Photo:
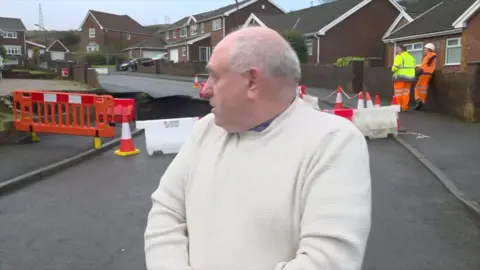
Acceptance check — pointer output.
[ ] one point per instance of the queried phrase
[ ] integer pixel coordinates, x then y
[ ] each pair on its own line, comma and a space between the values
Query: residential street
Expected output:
92, 216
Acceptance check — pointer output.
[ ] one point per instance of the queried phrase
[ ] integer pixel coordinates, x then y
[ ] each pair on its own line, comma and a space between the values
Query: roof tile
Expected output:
119, 22
438, 19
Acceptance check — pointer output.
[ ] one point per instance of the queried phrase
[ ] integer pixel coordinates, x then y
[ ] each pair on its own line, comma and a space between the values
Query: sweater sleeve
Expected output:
336, 206
166, 238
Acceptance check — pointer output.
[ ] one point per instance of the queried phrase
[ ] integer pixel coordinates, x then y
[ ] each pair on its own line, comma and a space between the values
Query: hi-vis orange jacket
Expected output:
428, 63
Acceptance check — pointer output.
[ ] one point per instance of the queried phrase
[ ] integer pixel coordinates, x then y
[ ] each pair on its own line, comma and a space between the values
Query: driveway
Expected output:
7, 86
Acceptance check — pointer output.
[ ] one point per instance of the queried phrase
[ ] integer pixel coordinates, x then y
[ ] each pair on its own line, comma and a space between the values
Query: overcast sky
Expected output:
69, 14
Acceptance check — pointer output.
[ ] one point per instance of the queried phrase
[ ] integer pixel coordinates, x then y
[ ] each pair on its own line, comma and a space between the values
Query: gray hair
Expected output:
276, 58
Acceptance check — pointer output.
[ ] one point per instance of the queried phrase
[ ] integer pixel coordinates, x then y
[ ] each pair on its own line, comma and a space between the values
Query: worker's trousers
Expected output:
402, 93
422, 86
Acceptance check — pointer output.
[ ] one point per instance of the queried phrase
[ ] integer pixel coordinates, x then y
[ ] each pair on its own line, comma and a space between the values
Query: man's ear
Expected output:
253, 77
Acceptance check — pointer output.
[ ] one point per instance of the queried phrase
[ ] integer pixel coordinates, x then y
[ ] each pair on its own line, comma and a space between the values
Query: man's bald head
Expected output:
263, 48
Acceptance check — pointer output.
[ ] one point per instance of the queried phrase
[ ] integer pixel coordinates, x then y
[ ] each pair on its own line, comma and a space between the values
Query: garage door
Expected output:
150, 54
174, 55
58, 55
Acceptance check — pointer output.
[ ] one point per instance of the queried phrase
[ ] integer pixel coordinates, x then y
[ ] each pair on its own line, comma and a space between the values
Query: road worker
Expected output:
424, 73
403, 76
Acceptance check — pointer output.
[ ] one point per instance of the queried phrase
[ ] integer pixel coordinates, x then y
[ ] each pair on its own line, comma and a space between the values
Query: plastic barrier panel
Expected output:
166, 135
62, 113
122, 106
377, 123
102, 71
311, 101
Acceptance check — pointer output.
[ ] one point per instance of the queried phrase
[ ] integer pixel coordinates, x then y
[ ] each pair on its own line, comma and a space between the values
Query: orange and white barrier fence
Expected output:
66, 113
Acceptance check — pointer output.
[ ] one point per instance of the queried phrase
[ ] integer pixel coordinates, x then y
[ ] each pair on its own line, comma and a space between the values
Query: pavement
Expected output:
19, 159
93, 215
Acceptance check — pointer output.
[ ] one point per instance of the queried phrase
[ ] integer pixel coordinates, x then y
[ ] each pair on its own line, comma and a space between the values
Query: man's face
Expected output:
230, 92
425, 51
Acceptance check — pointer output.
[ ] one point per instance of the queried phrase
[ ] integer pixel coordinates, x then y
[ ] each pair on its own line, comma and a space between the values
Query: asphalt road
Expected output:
92, 216
156, 88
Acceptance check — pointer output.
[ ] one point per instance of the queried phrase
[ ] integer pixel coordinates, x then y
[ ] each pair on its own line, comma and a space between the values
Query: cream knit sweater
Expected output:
295, 196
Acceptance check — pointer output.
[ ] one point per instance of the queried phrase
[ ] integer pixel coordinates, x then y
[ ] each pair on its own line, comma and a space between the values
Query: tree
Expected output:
3, 52
297, 41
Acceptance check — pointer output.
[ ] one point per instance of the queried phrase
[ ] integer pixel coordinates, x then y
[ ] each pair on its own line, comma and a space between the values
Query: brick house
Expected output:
147, 48
110, 32
193, 37
449, 25
12, 37
57, 50
338, 29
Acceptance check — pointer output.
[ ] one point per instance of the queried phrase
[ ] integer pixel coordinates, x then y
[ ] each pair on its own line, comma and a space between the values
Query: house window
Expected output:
13, 50
202, 28
92, 48
174, 34
183, 32
91, 32
193, 29
167, 35
10, 34
453, 51
416, 50
184, 51
309, 44
129, 36
204, 55
217, 24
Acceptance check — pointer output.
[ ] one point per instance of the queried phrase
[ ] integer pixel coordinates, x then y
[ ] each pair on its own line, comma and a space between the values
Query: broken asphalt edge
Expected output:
471, 205
23, 180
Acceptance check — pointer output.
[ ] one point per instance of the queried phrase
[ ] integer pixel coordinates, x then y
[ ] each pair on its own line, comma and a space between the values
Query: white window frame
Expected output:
217, 24
194, 29
202, 28
91, 32
309, 44
93, 48
13, 50
129, 36
208, 52
183, 32
167, 35
10, 34
415, 48
184, 51
449, 47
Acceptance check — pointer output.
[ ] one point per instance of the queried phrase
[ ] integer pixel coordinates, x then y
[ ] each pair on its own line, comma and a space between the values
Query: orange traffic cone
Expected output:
377, 101
338, 101
394, 102
369, 100
360, 103
195, 82
127, 147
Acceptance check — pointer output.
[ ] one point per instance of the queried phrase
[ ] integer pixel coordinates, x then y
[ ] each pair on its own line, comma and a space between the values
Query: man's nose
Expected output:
207, 89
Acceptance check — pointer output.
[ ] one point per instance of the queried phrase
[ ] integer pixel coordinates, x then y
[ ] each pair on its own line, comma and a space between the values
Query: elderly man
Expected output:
265, 181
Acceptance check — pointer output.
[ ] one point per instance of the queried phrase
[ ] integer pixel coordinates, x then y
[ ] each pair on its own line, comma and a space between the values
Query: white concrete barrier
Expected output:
166, 135
377, 123
311, 101
102, 71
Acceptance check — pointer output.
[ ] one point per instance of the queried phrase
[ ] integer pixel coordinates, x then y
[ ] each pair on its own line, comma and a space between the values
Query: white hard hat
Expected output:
430, 46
